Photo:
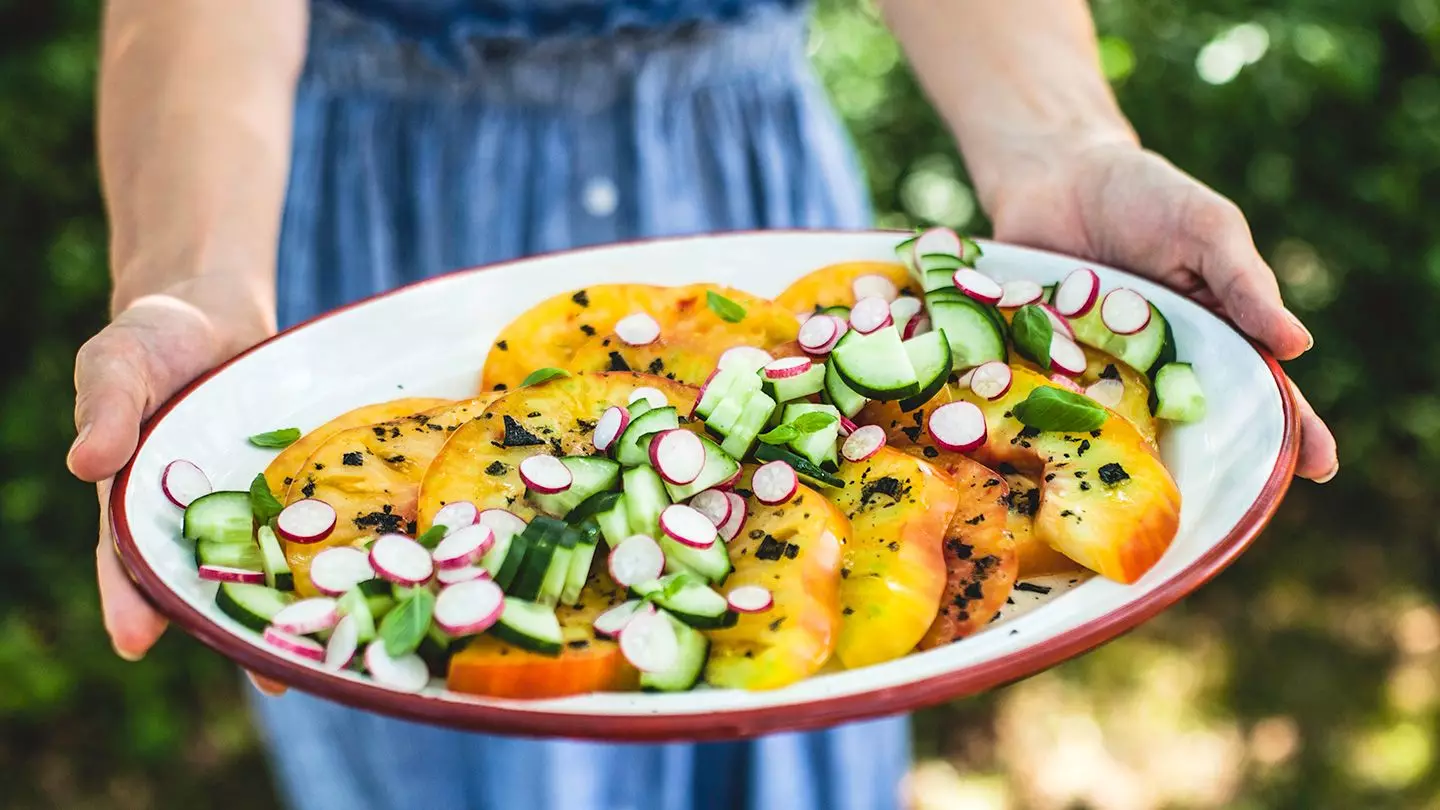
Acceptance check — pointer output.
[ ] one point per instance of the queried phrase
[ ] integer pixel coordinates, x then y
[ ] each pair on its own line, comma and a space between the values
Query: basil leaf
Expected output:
404, 627
541, 375
813, 422
728, 310
432, 536
1059, 410
1032, 331
780, 435
283, 437
677, 582
970, 251
262, 502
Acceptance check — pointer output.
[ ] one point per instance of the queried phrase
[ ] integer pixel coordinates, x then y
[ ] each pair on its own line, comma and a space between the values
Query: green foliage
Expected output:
1321, 118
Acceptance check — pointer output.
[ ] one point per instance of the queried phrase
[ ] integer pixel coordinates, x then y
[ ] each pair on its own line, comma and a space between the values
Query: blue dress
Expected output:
431, 135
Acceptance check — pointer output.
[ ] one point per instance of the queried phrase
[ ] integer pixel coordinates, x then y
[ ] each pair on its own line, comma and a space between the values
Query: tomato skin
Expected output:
289, 463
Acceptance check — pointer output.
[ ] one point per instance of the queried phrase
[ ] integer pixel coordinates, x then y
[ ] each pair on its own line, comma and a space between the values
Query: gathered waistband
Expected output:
349, 53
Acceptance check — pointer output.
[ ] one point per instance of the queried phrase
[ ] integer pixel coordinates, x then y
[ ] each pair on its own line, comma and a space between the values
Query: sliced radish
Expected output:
401, 560
470, 607
1077, 293
1125, 311
453, 576
183, 482
307, 648
863, 443
612, 621
225, 573
1106, 392
1058, 321
504, 522
847, 427
787, 367
713, 504
872, 285
652, 397
344, 641
774, 483
750, 599
456, 515
1020, 292
307, 616
610, 425
678, 455
936, 240
638, 329
1066, 356
958, 426
903, 309
545, 474
306, 521
965, 379
335, 571
463, 547
1063, 381
687, 526
977, 285
739, 511
991, 380
407, 673
817, 333
747, 358
870, 314
918, 325
637, 559
649, 642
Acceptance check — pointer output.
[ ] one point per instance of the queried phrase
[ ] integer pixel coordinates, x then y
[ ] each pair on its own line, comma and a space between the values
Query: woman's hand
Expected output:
1118, 204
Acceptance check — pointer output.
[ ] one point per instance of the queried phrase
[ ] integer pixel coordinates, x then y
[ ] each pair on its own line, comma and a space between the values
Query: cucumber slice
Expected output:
272, 561
694, 648
556, 575
251, 605
903, 251
808, 472
725, 382
719, 467
220, 517
1146, 351
689, 600
638, 407
596, 504
614, 524
837, 311
506, 567
876, 366
797, 387
581, 558
354, 604
547, 537
529, 626
930, 355
244, 555
645, 498
753, 417
842, 396
1177, 395
974, 334
722, 420
591, 475
712, 563
819, 447
628, 450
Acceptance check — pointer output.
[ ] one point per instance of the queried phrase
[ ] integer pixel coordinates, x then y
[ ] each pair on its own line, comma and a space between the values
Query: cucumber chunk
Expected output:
976, 333
272, 561
614, 524
529, 626
581, 558
726, 382
244, 555
1177, 395
876, 365
628, 449
819, 447
930, 355
690, 600
251, 605
842, 396
1146, 351
753, 416
220, 517
797, 387
694, 647
645, 498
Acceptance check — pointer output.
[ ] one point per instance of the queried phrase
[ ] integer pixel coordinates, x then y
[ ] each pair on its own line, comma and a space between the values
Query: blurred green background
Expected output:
1306, 676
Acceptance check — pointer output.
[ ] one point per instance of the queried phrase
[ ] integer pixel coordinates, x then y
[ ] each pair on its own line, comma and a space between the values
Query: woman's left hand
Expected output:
1118, 204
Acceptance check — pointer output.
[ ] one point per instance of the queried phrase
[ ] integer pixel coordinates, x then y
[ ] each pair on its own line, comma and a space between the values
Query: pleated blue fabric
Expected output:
421, 147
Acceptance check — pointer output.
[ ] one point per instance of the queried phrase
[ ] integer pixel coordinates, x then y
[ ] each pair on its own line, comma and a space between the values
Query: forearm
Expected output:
195, 106
1013, 79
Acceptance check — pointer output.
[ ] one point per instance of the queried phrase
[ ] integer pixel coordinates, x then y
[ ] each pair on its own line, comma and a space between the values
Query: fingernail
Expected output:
129, 656
1326, 478
79, 439
1309, 338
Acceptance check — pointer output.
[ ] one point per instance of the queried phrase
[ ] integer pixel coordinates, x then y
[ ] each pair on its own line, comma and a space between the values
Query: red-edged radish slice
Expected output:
713, 504
545, 474
469, 607
463, 547
307, 648
918, 324
652, 397
1077, 293
977, 285
842, 325
307, 616
687, 526
306, 521
817, 333
1062, 381
787, 367
774, 483
730, 482
903, 309
504, 522
401, 560
678, 455
1020, 292
1066, 356
870, 314
739, 512
183, 482
965, 379
225, 573
613, 621
747, 358
991, 380
637, 559
936, 240
750, 599
958, 426
1061, 326
638, 330
454, 576
406, 673
456, 515
335, 571
649, 642
610, 425
344, 641
863, 443
873, 285
1106, 392
1125, 311
847, 427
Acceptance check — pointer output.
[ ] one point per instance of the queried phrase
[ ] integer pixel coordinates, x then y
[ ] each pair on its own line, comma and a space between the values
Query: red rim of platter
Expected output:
511, 717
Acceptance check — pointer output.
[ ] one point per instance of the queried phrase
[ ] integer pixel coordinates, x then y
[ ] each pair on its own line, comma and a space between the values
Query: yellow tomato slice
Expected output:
287, 463
832, 286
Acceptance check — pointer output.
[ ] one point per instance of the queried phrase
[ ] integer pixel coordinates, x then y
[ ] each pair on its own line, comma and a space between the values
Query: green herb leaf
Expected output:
404, 627
970, 251
780, 435
283, 437
262, 501
541, 375
725, 308
1032, 331
432, 536
675, 584
1059, 410
813, 422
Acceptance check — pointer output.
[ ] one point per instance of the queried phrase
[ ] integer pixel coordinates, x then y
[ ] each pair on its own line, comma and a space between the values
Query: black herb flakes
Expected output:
308, 490
657, 366
889, 485
1112, 474
587, 329
962, 551
931, 452
775, 625
497, 467
517, 436
501, 387
581, 298
770, 549
1110, 372
1084, 445
976, 521
502, 345
617, 362
848, 610
354, 459
791, 551
1084, 486
1029, 433
1030, 587
379, 431
382, 522
396, 459
912, 433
